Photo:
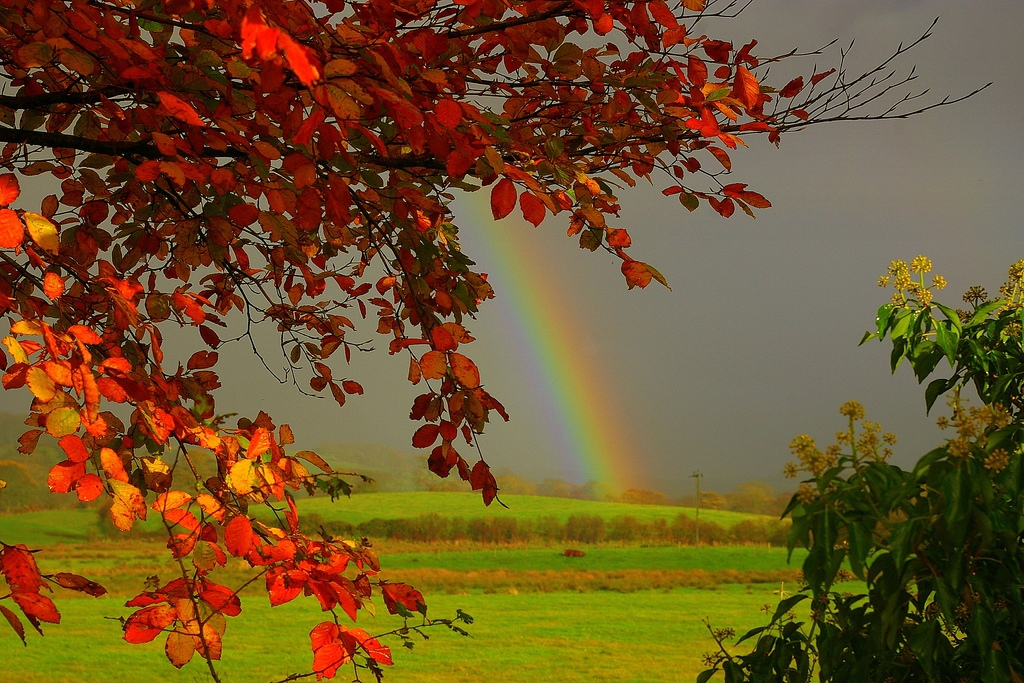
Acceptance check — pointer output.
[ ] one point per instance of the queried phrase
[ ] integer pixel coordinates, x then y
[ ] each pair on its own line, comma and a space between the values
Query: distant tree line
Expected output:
582, 528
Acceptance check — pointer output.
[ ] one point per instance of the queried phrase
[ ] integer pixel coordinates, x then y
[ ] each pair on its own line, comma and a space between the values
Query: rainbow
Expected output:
591, 434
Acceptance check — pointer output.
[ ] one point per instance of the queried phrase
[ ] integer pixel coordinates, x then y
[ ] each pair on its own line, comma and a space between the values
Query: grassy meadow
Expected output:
620, 613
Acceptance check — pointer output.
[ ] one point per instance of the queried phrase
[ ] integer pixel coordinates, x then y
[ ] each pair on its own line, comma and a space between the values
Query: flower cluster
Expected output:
867, 443
1012, 290
973, 426
900, 276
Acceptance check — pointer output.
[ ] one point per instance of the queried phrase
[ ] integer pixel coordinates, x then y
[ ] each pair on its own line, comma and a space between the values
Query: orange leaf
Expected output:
171, 500
74, 448
298, 58
503, 198
9, 188
180, 109
637, 274
53, 285
745, 87
89, 488
63, 475
113, 465
258, 444
12, 230
465, 371
433, 365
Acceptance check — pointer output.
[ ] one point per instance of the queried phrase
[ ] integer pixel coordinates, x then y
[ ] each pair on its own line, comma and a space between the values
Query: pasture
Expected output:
620, 613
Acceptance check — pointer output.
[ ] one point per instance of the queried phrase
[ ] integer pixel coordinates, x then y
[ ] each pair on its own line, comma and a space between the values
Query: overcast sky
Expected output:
757, 341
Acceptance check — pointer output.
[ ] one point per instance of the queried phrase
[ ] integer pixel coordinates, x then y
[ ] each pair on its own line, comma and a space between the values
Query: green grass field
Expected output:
624, 614
646, 637
366, 506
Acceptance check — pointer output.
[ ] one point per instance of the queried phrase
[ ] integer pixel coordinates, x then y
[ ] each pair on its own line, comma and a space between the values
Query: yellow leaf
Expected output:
63, 421
14, 348
179, 648
40, 384
43, 232
244, 477
128, 505
26, 327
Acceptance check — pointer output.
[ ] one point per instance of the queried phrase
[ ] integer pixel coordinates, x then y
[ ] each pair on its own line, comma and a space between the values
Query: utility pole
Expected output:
696, 477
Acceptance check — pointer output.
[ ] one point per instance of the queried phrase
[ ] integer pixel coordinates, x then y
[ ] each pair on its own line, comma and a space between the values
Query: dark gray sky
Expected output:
757, 341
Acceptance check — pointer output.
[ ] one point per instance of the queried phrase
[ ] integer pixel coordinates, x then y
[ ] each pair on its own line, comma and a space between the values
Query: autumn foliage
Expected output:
216, 165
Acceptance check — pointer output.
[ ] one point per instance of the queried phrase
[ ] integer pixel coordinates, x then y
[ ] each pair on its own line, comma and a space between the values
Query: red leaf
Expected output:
793, 88
817, 78
15, 622
149, 622
482, 480
503, 198
243, 214
449, 113
533, 208
78, 583
9, 188
19, 569
12, 230
396, 594
238, 536
38, 606
425, 436
351, 387
442, 340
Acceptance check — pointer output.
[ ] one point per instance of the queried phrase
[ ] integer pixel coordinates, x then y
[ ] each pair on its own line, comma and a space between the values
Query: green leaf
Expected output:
882, 318
904, 319
935, 389
948, 340
705, 676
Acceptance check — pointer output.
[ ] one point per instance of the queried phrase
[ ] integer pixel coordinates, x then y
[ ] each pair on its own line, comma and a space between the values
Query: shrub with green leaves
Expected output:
938, 550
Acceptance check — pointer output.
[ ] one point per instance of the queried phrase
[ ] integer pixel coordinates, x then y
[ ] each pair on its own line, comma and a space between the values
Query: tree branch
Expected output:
143, 148
45, 100
502, 25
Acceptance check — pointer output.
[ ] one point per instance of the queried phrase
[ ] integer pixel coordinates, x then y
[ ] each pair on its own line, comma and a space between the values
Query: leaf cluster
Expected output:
936, 550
